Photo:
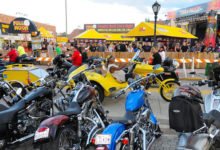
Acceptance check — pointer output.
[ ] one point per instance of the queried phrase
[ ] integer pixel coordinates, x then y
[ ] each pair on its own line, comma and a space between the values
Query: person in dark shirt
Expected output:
184, 48
146, 47
157, 60
92, 47
123, 47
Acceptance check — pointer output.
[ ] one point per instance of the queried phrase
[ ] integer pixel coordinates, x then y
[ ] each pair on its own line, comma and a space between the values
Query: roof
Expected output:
116, 37
90, 34
75, 33
44, 33
147, 30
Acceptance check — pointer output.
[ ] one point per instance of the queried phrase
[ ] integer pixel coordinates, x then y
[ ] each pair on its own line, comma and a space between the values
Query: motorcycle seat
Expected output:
7, 115
128, 119
73, 109
213, 117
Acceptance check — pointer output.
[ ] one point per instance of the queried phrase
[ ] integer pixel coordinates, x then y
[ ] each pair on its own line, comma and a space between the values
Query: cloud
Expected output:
91, 11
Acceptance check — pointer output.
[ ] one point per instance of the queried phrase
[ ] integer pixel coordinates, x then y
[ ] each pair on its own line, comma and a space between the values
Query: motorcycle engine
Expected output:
40, 109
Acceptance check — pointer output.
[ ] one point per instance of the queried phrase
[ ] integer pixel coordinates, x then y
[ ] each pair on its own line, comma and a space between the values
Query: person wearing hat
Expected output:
117, 71
12, 55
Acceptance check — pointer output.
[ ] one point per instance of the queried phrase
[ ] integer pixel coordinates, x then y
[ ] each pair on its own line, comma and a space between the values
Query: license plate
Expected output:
102, 139
41, 135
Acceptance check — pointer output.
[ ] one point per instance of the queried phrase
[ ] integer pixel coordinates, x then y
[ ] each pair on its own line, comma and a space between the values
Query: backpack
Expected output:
185, 115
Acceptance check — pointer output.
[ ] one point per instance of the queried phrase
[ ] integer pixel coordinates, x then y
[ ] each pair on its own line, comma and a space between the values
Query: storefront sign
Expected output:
121, 28
194, 10
22, 26
4, 28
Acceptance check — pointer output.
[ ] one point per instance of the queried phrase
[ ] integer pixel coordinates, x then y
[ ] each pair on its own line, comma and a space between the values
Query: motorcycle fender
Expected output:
53, 124
189, 141
163, 83
115, 130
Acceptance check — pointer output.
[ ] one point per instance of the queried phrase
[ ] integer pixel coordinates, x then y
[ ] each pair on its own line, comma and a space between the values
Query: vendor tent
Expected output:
90, 34
44, 33
116, 37
145, 29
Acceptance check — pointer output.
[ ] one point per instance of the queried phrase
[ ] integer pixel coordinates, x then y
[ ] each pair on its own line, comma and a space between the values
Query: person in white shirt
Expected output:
162, 53
117, 71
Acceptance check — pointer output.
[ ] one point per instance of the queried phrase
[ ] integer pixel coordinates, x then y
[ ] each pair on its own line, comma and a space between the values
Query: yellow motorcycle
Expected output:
106, 84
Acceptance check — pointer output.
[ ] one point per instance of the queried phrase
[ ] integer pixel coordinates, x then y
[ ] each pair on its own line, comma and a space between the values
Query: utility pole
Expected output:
66, 17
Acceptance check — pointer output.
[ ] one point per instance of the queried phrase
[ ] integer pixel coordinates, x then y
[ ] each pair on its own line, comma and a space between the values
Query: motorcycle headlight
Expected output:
175, 64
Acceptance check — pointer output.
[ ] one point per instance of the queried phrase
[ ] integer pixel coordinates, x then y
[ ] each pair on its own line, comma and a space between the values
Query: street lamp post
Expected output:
66, 16
156, 8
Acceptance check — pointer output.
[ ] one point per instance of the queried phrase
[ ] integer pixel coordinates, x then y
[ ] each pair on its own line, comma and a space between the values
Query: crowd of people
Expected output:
144, 46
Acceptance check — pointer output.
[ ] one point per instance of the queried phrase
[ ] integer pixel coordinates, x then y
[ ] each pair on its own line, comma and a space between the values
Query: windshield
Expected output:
136, 55
40, 73
77, 71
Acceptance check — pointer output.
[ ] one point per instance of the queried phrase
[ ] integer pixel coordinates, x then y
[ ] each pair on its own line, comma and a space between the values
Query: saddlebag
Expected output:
185, 115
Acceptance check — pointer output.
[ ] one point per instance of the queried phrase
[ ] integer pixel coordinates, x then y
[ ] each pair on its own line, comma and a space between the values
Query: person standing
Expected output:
50, 49
162, 53
58, 50
177, 47
184, 47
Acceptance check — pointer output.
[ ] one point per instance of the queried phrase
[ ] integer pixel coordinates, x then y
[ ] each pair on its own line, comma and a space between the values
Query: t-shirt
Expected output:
146, 48
156, 59
21, 51
58, 50
77, 58
119, 74
184, 48
12, 55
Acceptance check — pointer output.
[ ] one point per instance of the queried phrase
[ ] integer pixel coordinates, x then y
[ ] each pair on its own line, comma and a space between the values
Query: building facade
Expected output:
202, 20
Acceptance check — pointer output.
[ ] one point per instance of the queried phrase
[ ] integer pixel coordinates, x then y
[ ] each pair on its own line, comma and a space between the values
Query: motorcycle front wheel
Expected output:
167, 90
65, 139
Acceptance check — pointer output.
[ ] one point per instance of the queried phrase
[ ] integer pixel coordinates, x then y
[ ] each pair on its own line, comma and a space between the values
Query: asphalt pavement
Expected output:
168, 140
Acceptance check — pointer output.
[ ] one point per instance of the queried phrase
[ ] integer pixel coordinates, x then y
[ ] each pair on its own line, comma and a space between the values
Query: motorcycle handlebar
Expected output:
120, 93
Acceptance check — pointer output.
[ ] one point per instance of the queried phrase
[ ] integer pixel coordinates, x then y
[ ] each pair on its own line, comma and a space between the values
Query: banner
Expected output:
211, 30
198, 9
22, 26
112, 28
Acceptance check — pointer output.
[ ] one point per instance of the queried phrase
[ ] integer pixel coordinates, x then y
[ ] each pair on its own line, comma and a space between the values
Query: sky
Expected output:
81, 12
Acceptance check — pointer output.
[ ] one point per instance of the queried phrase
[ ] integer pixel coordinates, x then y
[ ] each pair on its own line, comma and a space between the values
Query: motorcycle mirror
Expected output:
18, 91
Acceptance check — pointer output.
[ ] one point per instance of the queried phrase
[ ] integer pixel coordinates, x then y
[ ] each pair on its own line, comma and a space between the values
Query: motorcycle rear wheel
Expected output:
65, 139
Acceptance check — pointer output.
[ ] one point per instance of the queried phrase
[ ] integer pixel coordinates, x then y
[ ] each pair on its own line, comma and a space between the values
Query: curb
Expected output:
192, 79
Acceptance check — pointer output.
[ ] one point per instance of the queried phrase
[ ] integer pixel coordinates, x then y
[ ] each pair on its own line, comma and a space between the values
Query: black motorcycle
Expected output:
19, 122
77, 124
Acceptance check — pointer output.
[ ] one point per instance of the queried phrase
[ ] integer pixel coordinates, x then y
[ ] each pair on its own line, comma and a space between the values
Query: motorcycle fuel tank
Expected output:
134, 100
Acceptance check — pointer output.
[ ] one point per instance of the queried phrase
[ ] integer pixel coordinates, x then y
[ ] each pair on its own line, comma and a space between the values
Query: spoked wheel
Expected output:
167, 90
16, 86
99, 91
65, 140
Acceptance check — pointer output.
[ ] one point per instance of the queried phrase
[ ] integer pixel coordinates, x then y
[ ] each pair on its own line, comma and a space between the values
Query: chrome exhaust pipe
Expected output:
23, 139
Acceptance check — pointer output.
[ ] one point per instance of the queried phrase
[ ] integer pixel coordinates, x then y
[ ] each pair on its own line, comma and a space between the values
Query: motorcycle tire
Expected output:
55, 144
100, 91
162, 90
16, 85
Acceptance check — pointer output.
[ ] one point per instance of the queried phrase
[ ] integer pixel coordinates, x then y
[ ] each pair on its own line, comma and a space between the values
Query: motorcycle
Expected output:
138, 129
77, 124
196, 130
106, 84
19, 122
